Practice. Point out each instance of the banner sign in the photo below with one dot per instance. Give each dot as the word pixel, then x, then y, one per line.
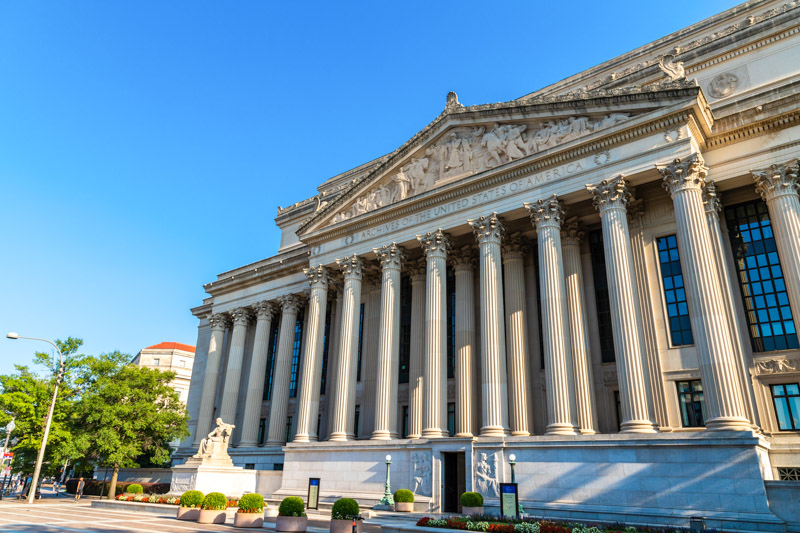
pixel 509 500
pixel 313 493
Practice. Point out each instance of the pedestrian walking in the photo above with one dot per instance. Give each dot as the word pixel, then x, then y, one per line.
pixel 56 487
pixel 79 489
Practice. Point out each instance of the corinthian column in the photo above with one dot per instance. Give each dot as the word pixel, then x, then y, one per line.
pixel 489 233
pixel 258 369
pixel 434 408
pixel 230 396
pixel 308 406
pixel 684 180
pixel 416 384
pixel 778 186
pixel 571 236
pixel 465 339
pixel 206 413
pixel 611 199
pixel 282 373
pixel 547 215
pixel 344 396
pixel 738 334
pixel 391 258
pixel 516 334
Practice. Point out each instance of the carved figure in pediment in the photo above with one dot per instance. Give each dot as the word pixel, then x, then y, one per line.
pixel 417 171
pixel 402 185
pixel 610 120
pixel 493 142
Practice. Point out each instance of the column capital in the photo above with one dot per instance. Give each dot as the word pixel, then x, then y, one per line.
pixel 317 276
pixel 546 212
pixel 264 309
pixel 352 266
pixel 219 321
pixel 488 229
pixel 612 193
pixel 435 243
pixel 290 303
pixel 684 174
pixel 464 259
pixel 515 246
pixel 417 270
pixel 391 256
pixel 572 232
pixel 777 180
pixel 241 316
pixel 711 199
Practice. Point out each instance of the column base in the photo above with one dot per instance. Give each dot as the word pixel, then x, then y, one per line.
pixel 341 437
pixel 434 433
pixel 466 435
pixel 304 438
pixel 409 436
pixel 561 429
pixel 588 432
pixel 246 444
pixel 382 434
pixel 494 431
pixel 638 426
pixel 729 423
pixel 274 443
pixel 520 433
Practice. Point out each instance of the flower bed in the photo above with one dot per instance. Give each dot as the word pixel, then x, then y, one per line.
pixel 531 525
pixel 149 498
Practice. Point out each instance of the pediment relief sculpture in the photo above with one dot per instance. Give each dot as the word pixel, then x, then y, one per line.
pixel 465 150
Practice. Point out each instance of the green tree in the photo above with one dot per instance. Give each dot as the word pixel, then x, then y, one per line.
pixel 130 412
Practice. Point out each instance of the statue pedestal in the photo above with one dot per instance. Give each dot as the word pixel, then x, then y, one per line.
pixel 228 479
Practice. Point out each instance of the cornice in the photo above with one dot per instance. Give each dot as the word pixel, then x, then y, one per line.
pixel 755 129
pixel 655 94
pixel 260 272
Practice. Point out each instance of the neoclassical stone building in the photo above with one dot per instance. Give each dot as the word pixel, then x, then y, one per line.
pixel 601 277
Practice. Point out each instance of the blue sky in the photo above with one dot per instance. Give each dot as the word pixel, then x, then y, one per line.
pixel 145 146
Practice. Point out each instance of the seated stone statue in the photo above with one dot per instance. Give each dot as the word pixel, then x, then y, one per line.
pixel 216 444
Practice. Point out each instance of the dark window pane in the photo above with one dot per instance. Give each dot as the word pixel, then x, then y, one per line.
pixel 692 405
pixel 602 301
pixel 674 293
pixel 786 400
pixel 297 347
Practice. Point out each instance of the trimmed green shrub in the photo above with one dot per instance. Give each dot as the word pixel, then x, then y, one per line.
pixel 192 498
pixel 471 499
pixel 251 503
pixel 343 508
pixel 292 506
pixel 134 488
pixel 403 496
pixel 215 501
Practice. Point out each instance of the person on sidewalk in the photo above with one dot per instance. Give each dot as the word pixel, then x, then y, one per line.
pixel 79 489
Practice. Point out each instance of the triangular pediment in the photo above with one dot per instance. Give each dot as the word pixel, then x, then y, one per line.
pixel 468 141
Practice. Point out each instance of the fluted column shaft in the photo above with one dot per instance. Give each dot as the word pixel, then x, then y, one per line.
pixel 684 180
pixel 571 235
pixel 465 341
pixel 233 375
pixel 258 368
pixel 562 416
pixel 210 375
pixel 611 198
pixel 344 397
pixel 416 383
pixel 779 188
pixel 489 232
pixel 434 407
pixel 282 370
pixel 738 333
pixel 517 335
pixel 391 258
pixel 308 406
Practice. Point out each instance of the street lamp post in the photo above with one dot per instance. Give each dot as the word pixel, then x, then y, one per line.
pixel 38 468
pixel 512 461
pixel 387 487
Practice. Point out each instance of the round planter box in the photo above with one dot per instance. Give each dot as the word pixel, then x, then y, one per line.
pixel 345 526
pixel 469 511
pixel 188 513
pixel 404 507
pixel 291 523
pixel 207 516
pixel 248 520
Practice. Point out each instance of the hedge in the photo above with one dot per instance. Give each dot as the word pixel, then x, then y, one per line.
pixel 134 488
pixel 192 498
pixel 292 506
pixel 92 487
pixel 471 499
pixel 344 508
pixel 215 501
pixel 251 503
pixel 403 496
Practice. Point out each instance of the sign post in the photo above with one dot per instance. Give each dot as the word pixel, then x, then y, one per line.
pixel 313 493
pixel 509 500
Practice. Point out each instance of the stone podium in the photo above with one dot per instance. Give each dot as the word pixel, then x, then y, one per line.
pixel 211 468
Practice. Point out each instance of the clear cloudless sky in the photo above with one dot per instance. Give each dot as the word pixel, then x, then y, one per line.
pixel 145 146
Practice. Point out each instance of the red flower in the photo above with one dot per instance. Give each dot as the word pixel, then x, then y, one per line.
pixel 423 521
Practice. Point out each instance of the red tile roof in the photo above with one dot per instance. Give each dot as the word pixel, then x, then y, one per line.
pixel 171 346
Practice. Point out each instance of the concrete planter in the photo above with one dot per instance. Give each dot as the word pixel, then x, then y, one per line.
pixel 188 513
pixel 207 516
pixel 469 511
pixel 248 520
pixel 345 526
pixel 291 523
pixel 404 507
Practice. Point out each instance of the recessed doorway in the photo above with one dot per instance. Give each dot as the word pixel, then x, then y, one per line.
pixel 454 481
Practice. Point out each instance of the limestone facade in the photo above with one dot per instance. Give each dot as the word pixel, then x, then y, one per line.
pixel 601 267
